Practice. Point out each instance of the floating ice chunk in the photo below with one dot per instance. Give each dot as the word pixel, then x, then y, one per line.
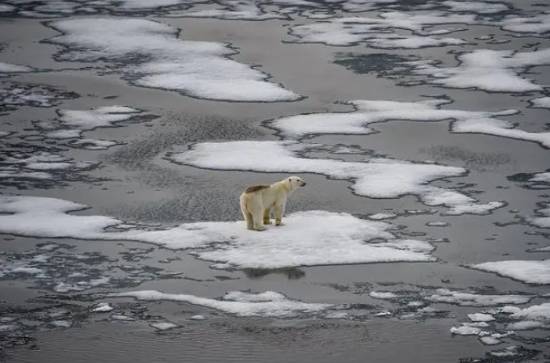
pixel 535 312
pixel 102 307
pixel 526 325
pixel 156 57
pixel 412 42
pixel 266 304
pixel 14 68
pixel 164 325
pixel 492 339
pixel 198 317
pixel 471 299
pixel 382 30
pixel 536 24
pixel 541 177
pixel 370 112
pixel 543 219
pixel 340 240
pixel 64 134
pixel 379 216
pixel 465 330
pixel 147 4
pixel 541 102
pixel 478 7
pixel 61 323
pixel 121 317
pixel 533 272
pixel 93 144
pixel 5 8
pixel 303 243
pixel 100 117
pixel 476 317
pixel 377 178
pixel 486 69
pixel 13 174
pixel 382 295
pixel 501 128
pixel 438 224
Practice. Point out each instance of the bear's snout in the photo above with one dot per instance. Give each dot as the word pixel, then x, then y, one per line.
pixel 302 183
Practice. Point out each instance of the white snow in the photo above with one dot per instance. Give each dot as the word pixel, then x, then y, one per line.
pixel 475 317
pixel 541 177
pixel 465 329
pixel 382 31
pixel 377 111
pixel 478 7
pixel 164 325
pixel 161 60
pixel 307 238
pixel 382 215
pixel 105 116
pixel 198 317
pixel 266 304
pixel 543 217
pixel 472 299
pixel 14 68
pixel 487 69
pixel 541 102
pixel 382 295
pixel 529 271
pixel 102 307
pixel 538 24
pixel 376 178
pixel 93 144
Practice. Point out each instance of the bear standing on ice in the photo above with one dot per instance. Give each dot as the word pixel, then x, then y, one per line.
pixel 257 201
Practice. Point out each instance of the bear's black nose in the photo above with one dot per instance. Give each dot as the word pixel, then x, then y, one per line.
pixel 303 184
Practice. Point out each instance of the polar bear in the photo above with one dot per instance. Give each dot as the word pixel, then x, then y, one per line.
pixel 257 201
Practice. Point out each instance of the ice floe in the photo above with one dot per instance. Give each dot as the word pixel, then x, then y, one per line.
pixel 265 304
pixel 529 271
pixel 487 69
pixel 543 217
pixel 14 94
pixel 41 165
pixel 474 299
pixel 381 31
pixel 478 7
pixel 538 24
pixel 368 112
pixel 14 68
pixel 341 239
pixel 541 102
pixel 376 178
pixel 151 54
pixel 102 307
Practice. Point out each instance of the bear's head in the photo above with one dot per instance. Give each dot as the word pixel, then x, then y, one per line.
pixel 295 182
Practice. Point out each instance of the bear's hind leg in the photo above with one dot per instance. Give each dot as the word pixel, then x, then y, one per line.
pixel 267 216
pixel 249 221
pixel 257 218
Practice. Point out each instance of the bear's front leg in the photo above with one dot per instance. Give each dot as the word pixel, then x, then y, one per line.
pixel 279 210
pixel 266 216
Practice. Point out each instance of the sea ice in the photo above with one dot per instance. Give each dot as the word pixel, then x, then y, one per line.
pixel 152 55
pixel 472 299
pixel 370 112
pixel 487 69
pixel 381 31
pixel 341 239
pixel 266 304
pixel 376 178
pixel 14 68
pixel 529 271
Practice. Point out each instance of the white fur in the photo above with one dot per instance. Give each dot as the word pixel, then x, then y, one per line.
pixel 256 206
